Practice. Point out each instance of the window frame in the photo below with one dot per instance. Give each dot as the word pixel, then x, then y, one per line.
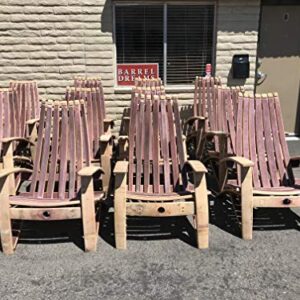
pixel 164 4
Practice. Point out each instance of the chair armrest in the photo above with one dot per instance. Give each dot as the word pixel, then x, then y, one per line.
pixel 106 137
pixel 242 161
pixel 294 161
pixel 121 167
pixel 123 138
pixel 32 121
pixel 192 120
pixel 16 139
pixel 196 166
pixel 89 171
pixel 216 133
pixel 6 172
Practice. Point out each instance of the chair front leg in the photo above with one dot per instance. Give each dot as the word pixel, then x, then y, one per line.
pixel 120 210
pixel 202 210
pixel 90 233
pixel 247 202
pixel 5 220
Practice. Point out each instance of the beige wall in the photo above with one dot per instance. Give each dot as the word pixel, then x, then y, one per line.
pixel 51 41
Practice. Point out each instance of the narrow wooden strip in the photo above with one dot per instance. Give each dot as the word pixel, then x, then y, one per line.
pixel 148 126
pixel 63 153
pixel 72 154
pixel 139 146
pixel 45 154
pixel 252 141
pixel 156 148
pixel 37 159
pixel 132 140
pixel 173 145
pixel 54 152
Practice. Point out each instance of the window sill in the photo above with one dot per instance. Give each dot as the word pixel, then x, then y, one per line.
pixel 169 89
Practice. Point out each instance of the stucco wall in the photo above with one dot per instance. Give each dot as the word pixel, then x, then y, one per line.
pixel 51 41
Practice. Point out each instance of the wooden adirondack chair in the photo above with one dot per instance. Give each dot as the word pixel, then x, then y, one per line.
pixel 61 184
pixel 27 104
pixel 265 177
pixel 99 127
pixel 154 181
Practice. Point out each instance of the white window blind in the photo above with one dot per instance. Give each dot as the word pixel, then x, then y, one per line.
pixel 188 30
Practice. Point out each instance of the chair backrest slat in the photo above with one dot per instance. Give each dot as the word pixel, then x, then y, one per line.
pixel 156 146
pixel 54 152
pixel 45 154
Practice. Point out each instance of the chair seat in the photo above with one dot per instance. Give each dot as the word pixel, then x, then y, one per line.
pixel 281 190
pixel 26 199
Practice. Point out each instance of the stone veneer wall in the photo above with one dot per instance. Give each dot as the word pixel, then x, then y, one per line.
pixel 51 41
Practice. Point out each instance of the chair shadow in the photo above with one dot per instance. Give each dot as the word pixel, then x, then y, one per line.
pixel 226 214
pixel 143 228
pixel 47 232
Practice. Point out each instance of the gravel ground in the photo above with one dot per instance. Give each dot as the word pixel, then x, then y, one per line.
pixel 162 263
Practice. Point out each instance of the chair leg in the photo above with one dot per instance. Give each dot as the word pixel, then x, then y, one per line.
pixel 120 212
pixel 202 213
pixel 247 203
pixel 90 234
pixel 5 220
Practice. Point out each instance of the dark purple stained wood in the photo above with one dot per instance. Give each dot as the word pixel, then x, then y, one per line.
pixel 90 117
pixel 283 142
pixel 180 144
pixel 173 146
pixel 12 120
pixel 45 154
pixel 72 154
pixel 276 141
pixel 245 141
pixel 37 159
pixel 264 174
pixel 96 122
pixel 132 140
pixel 231 118
pixel 147 145
pixel 269 143
pixel 7 124
pixel 85 136
pixel 79 142
pixel 156 148
pixel 53 153
pixel 163 128
pixel 139 148
pixel 252 141
pixel 63 153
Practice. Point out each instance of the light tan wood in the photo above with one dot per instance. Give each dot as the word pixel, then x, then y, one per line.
pixel 106 148
pixel 202 210
pixel 121 167
pixel 45 214
pixel 89 171
pixel 244 162
pixel 120 205
pixel 196 166
pixel 5 220
pixel 160 209
pixel 155 197
pixel 279 202
pixel 277 193
pixel 247 202
pixel 16 139
pixel 88 212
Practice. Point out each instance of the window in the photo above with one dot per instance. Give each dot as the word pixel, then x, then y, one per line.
pixel 177 37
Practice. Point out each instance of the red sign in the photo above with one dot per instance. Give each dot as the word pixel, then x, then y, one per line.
pixel 126 73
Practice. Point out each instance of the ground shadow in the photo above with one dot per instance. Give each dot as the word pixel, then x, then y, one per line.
pixel 142 228
pixel 225 213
